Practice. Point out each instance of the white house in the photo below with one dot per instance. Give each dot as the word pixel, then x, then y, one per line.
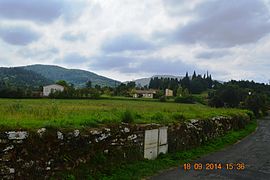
pixel 168 93
pixel 52 88
pixel 144 93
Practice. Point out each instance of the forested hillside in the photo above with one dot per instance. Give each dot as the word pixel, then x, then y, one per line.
pixel 21 78
pixel 73 76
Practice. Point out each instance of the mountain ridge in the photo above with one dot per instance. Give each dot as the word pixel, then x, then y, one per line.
pixel 22 78
pixel 75 76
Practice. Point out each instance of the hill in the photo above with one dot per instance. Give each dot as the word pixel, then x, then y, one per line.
pixel 19 77
pixel 145 81
pixel 74 76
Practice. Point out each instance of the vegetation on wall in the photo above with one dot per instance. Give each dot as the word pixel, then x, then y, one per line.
pixel 142 169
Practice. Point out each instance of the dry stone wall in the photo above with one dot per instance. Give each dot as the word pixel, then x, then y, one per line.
pixel 41 153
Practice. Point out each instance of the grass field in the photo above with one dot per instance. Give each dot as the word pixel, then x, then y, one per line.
pixel 35 113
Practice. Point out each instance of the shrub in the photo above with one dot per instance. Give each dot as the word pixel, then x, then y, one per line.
pixel 200 100
pixel 178 116
pixel 127 116
pixel 251 115
pixel 163 99
pixel 186 99
pixel 157 116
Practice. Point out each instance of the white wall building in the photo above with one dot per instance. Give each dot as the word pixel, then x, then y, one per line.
pixel 144 94
pixel 168 93
pixel 52 88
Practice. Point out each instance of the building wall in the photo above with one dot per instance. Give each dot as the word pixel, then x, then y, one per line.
pixel 51 88
pixel 148 95
pixel 168 93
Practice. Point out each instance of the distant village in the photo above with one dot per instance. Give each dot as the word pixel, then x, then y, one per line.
pixel 190 89
pixel 54 88
pixel 157 88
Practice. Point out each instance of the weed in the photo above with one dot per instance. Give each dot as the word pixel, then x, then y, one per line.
pixel 178 116
pixel 127 116
pixel 158 116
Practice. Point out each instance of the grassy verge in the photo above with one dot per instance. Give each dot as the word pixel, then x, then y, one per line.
pixel 140 169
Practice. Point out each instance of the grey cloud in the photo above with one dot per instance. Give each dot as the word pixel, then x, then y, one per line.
pixel 212 54
pixel 18 35
pixel 4 62
pixel 110 62
pixel 178 7
pixel 138 65
pixel 223 23
pixel 36 10
pixel 73 58
pixel 162 66
pixel 126 42
pixel 46 53
pixel 73 37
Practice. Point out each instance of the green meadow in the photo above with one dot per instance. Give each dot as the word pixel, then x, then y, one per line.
pixel 36 113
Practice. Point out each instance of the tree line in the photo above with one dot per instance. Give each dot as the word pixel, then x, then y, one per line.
pixel 233 94
pixel 195 84
pixel 242 94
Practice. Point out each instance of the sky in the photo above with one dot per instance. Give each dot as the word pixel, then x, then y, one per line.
pixel 130 39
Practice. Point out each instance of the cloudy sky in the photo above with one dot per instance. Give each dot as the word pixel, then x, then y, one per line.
pixel 129 39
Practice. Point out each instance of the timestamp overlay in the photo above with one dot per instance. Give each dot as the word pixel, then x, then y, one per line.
pixel 211 166
pixel 247 160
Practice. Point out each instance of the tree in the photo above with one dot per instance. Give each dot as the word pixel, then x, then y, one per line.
pixel 230 96
pixel 88 84
pixel 181 92
pixel 216 101
pixel 256 103
pixel 194 76
pixel 185 83
pixel 197 86
pixel 98 87
pixel 131 85
pixel 62 83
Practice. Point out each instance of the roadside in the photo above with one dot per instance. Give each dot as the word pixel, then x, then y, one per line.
pixel 252 152
pixel 146 168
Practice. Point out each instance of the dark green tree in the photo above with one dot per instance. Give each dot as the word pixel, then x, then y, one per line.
pixel 88 84
pixel 62 83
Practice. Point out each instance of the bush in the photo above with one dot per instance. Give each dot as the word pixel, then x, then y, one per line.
pixel 186 99
pixel 251 115
pixel 178 116
pixel 163 99
pixel 216 101
pixel 157 116
pixel 127 116
pixel 200 100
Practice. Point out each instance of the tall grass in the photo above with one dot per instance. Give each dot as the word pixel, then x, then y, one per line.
pixel 81 113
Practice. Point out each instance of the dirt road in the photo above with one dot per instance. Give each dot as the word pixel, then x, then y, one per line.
pixel 253 151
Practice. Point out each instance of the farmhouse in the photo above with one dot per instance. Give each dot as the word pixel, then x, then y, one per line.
pixel 52 88
pixel 168 93
pixel 144 93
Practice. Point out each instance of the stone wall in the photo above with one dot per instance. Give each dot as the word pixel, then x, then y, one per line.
pixel 196 132
pixel 46 151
